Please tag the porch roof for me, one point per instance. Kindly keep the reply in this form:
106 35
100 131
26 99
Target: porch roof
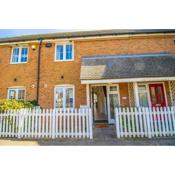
151 65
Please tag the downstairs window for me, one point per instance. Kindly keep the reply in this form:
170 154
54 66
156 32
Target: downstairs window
143 95
16 94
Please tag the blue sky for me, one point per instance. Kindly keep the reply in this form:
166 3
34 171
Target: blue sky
16 32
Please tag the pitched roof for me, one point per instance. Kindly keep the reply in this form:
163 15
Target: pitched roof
128 66
62 35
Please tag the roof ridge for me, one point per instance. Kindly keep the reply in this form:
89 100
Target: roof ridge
85 33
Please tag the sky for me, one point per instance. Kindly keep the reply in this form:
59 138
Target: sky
16 32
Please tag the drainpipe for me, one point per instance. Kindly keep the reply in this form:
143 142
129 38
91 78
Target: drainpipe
38 72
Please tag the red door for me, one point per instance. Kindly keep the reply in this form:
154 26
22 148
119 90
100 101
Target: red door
157 95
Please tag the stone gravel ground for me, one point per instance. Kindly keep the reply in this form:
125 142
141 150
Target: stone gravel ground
86 142
102 137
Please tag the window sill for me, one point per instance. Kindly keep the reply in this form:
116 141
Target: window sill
64 60
20 63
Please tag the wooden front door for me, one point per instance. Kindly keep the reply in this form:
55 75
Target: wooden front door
157 95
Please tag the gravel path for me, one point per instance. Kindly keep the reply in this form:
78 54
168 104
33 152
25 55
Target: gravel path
87 142
102 137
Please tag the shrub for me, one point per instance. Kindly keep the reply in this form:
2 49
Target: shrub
14 104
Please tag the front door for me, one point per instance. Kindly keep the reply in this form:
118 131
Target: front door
99 102
157 95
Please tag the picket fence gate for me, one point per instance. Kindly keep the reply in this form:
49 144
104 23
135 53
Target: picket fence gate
145 122
46 123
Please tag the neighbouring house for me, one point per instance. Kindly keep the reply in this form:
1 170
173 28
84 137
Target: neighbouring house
100 69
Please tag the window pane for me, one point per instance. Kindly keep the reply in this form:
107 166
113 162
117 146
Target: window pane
153 94
142 88
113 98
59 52
143 96
113 88
59 98
21 94
160 95
12 94
69 98
24 54
143 99
15 55
68 52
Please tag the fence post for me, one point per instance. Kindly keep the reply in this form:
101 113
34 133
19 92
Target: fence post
117 123
148 123
20 123
90 124
53 123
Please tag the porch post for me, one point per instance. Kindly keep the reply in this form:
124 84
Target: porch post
171 94
136 94
87 95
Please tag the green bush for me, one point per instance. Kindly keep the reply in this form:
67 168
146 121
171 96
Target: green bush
14 104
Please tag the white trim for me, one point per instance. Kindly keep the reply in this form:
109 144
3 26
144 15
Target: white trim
87 95
64 51
20 42
136 94
17 88
127 80
65 86
19 58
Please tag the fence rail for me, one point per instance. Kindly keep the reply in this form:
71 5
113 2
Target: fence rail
145 122
46 123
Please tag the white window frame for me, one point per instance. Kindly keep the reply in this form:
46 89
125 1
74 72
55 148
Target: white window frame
64 51
17 91
20 51
64 86
147 91
110 120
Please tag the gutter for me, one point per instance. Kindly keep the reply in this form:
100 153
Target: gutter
38 71
90 36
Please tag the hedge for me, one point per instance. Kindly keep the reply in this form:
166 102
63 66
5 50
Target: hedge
14 104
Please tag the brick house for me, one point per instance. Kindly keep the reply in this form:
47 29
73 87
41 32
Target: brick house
99 69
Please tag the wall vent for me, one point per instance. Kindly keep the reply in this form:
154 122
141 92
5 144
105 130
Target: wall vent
48 44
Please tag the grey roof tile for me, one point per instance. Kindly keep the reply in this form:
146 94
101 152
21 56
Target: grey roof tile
128 66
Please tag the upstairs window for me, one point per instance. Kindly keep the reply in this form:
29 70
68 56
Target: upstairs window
19 55
64 52
16 94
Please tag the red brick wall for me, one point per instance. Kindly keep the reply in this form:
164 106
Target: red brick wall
52 71
25 74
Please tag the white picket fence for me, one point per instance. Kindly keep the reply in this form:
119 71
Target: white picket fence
145 122
47 123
